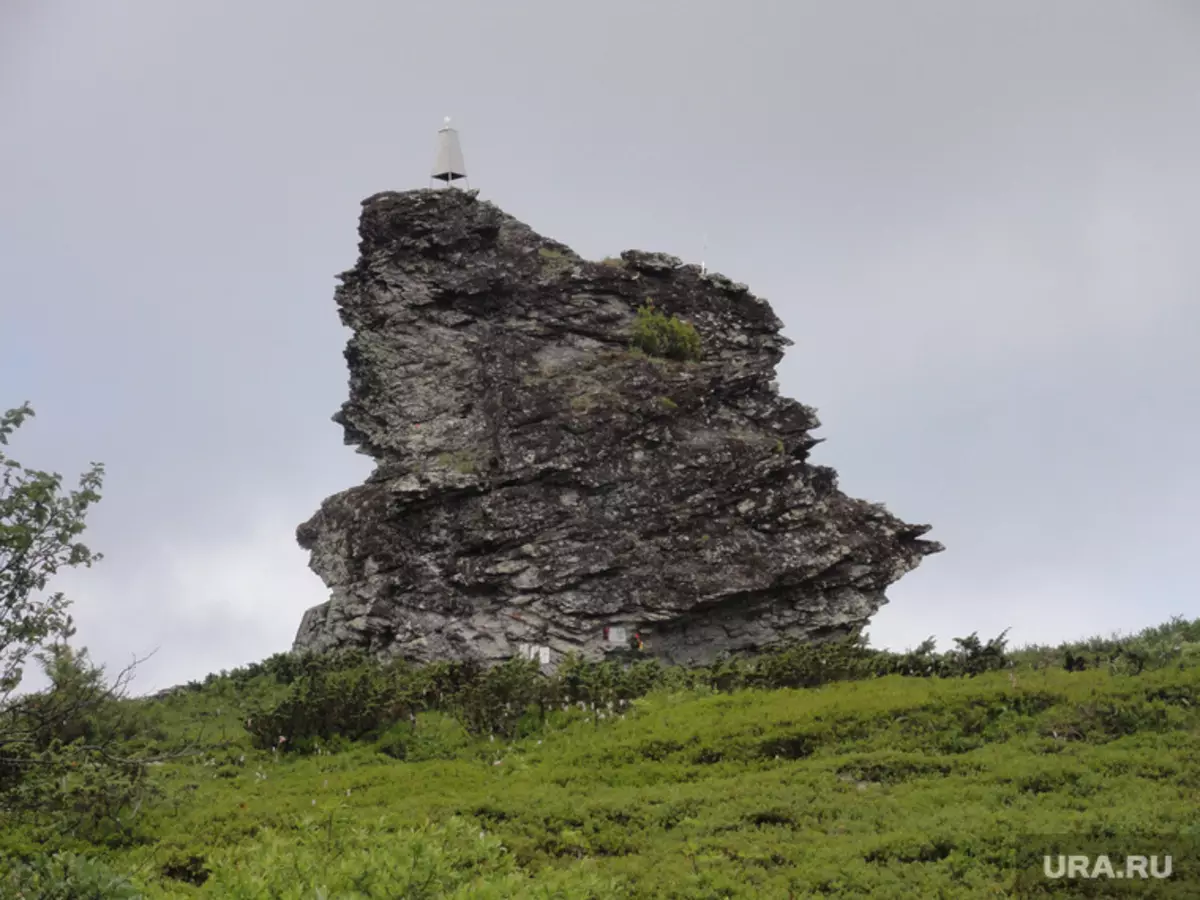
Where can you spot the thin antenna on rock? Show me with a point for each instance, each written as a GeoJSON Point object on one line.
{"type": "Point", "coordinates": [448, 165]}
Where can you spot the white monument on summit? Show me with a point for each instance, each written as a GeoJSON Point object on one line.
{"type": "Point", "coordinates": [448, 165]}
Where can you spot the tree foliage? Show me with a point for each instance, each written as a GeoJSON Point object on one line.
{"type": "Point", "coordinates": [39, 528]}
{"type": "Point", "coordinates": [61, 763]}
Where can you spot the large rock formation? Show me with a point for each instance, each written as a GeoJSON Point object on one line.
{"type": "Point", "coordinates": [540, 488]}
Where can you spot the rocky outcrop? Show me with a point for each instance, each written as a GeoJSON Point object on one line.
{"type": "Point", "coordinates": [540, 488]}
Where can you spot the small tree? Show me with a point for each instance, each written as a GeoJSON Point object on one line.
{"type": "Point", "coordinates": [60, 760]}
{"type": "Point", "coordinates": [39, 525]}
{"type": "Point", "coordinates": [973, 657]}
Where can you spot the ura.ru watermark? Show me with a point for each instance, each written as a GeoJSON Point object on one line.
{"type": "Point", "coordinates": [1126, 865]}
{"type": "Point", "coordinates": [1104, 866]}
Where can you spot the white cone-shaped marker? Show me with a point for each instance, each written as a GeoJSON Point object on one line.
{"type": "Point", "coordinates": [448, 165]}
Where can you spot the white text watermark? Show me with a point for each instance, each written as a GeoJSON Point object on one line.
{"type": "Point", "coordinates": [1106, 866]}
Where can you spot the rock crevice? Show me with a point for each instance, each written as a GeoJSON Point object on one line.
{"type": "Point", "coordinates": [540, 488]}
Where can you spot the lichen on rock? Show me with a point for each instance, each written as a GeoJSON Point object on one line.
{"type": "Point", "coordinates": [541, 485]}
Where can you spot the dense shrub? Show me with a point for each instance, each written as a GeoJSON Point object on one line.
{"type": "Point", "coordinates": [809, 665]}
{"type": "Point", "coordinates": [450, 859]}
{"type": "Point", "coordinates": [1176, 642]}
{"type": "Point", "coordinates": [78, 706]}
{"type": "Point", "coordinates": [430, 735]}
{"type": "Point", "coordinates": [64, 769]}
{"type": "Point", "coordinates": [656, 334]}
{"type": "Point", "coordinates": [973, 657]}
{"type": "Point", "coordinates": [325, 704]}
{"type": "Point", "coordinates": [82, 793]}
{"type": "Point", "coordinates": [64, 876]}
{"type": "Point", "coordinates": [345, 697]}
{"type": "Point", "coordinates": [496, 701]}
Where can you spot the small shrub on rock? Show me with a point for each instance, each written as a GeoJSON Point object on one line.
{"type": "Point", "coordinates": [657, 335]}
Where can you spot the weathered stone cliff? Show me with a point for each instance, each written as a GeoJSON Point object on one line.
{"type": "Point", "coordinates": [540, 488]}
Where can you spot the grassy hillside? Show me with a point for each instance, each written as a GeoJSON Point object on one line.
{"type": "Point", "coordinates": [888, 787]}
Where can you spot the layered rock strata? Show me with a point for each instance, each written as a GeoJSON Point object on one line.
{"type": "Point", "coordinates": [541, 488]}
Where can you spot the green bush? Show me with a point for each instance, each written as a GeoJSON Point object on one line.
{"type": "Point", "coordinates": [1175, 643]}
{"type": "Point", "coordinates": [346, 698]}
{"type": "Point", "coordinates": [71, 793]}
{"type": "Point", "coordinates": [808, 665]}
{"type": "Point", "coordinates": [327, 704]}
{"type": "Point", "coordinates": [497, 700]}
{"type": "Point", "coordinates": [65, 876]}
{"type": "Point", "coordinates": [66, 771]}
{"type": "Point", "coordinates": [60, 764]}
{"type": "Point", "coordinates": [973, 657]}
{"type": "Point", "coordinates": [432, 736]}
{"type": "Point", "coordinates": [452, 859]}
{"type": "Point", "coordinates": [79, 705]}
{"type": "Point", "coordinates": [657, 335]}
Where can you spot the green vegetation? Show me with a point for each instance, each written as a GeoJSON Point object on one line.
{"type": "Point", "coordinates": [668, 403]}
{"type": "Point", "coordinates": [59, 756]}
{"type": "Point", "coordinates": [657, 335]}
{"type": "Point", "coordinates": [834, 770]}
{"type": "Point", "coordinates": [463, 461]}
{"type": "Point", "coordinates": [66, 876]}
{"type": "Point", "coordinates": [38, 528]}
{"type": "Point", "coordinates": [555, 261]}
{"type": "Point", "coordinates": [614, 261]}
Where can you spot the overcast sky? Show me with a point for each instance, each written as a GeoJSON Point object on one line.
{"type": "Point", "coordinates": [978, 220]}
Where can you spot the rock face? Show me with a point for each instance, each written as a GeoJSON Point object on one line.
{"type": "Point", "coordinates": [540, 488]}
